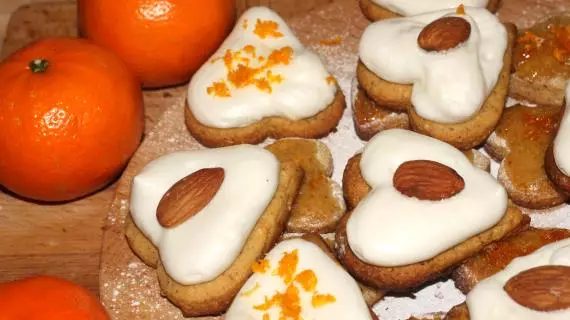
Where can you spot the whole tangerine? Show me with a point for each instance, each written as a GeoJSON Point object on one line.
{"type": "Point", "coordinates": [163, 41]}
{"type": "Point", "coordinates": [71, 116]}
{"type": "Point", "coordinates": [48, 298]}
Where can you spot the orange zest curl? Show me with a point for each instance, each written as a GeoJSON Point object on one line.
{"type": "Point", "coordinates": [331, 80]}
{"type": "Point", "coordinates": [460, 9]}
{"type": "Point", "coordinates": [308, 280]}
{"type": "Point", "coordinates": [267, 28]}
{"type": "Point", "coordinates": [244, 24]}
{"type": "Point", "coordinates": [320, 300]}
{"type": "Point", "coordinates": [219, 89]}
{"type": "Point", "coordinates": [331, 42]}
{"type": "Point", "coordinates": [251, 291]}
{"type": "Point", "coordinates": [260, 266]}
{"type": "Point", "coordinates": [288, 266]}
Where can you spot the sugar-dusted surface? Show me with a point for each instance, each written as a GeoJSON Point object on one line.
{"type": "Point", "coordinates": [129, 288]}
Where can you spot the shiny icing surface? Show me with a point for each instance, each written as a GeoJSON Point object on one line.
{"type": "Point", "coordinates": [261, 70]}
{"type": "Point", "coordinates": [562, 140]}
{"type": "Point", "coordinates": [388, 228]}
{"type": "Point", "coordinates": [189, 254]}
{"type": "Point", "coordinates": [415, 7]}
{"type": "Point", "coordinates": [489, 301]}
{"type": "Point", "coordinates": [297, 279]}
{"type": "Point", "coordinates": [449, 86]}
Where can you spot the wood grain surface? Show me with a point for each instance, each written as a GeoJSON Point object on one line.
{"type": "Point", "coordinates": [64, 240]}
{"type": "Point", "coordinates": [128, 288]}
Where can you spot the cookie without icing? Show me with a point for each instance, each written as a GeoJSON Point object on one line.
{"type": "Point", "coordinates": [262, 83]}
{"type": "Point", "coordinates": [541, 62]}
{"type": "Point", "coordinates": [519, 143]}
{"type": "Point", "coordinates": [374, 11]}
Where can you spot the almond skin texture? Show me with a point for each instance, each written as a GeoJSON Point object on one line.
{"type": "Point", "coordinates": [444, 34]}
{"type": "Point", "coordinates": [545, 288]}
{"type": "Point", "coordinates": [427, 180]}
{"type": "Point", "coordinates": [189, 196]}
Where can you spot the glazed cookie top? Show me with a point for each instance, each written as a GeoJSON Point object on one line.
{"type": "Point", "coordinates": [491, 298]}
{"type": "Point", "coordinates": [389, 228]}
{"type": "Point", "coordinates": [562, 140]}
{"type": "Point", "coordinates": [415, 7]}
{"type": "Point", "coordinates": [298, 280]}
{"type": "Point", "coordinates": [261, 70]}
{"type": "Point", "coordinates": [449, 86]}
{"type": "Point", "coordinates": [190, 255]}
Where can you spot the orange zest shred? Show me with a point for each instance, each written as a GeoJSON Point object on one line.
{"type": "Point", "coordinates": [260, 266]}
{"type": "Point", "coordinates": [219, 89]}
{"type": "Point", "coordinates": [331, 80]}
{"type": "Point", "coordinates": [331, 42]}
{"type": "Point", "coordinates": [244, 24]}
{"type": "Point", "coordinates": [289, 301]}
{"type": "Point", "coordinates": [460, 9]}
{"type": "Point", "coordinates": [556, 41]}
{"type": "Point", "coordinates": [251, 291]}
{"type": "Point", "coordinates": [267, 28]}
{"type": "Point", "coordinates": [241, 73]}
{"type": "Point", "coordinates": [288, 266]}
{"type": "Point", "coordinates": [308, 280]}
{"type": "Point", "coordinates": [320, 300]}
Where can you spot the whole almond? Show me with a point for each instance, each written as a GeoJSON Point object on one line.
{"type": "Point", "coordinates": [444, 34]}
{"type": "Point", "coordinates": [189, 196]}
{"type": "Point", "coordinates": [427, 180]}
{"type": "Point", "coordinates": [545, 288]}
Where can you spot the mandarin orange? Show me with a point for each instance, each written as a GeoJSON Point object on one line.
{"type": "Point", "coordinates": [71, 116]}
{"type": "Point", "coordinates": [48, 298]}
{"type": "Point", "coordinates": [163, 41]}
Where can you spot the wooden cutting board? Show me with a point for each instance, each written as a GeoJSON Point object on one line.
{"type": "Point", "coordinates": [128, 288]}
{"type": "Point", "coordinates": [65, 240]}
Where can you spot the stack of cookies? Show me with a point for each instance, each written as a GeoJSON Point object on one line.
{"type": "Point", "coordinates": [263, 232]}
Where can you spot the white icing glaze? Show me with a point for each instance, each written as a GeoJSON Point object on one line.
{"type": "Point", "coordinates": [489, 301]}
{"type": "Point", "coordinates": [562, 140]}
{"type": "Point", "coordinates": [388, 228]}
{"type": "Point", "coordinates": [415, 7]}
{"type": "Point", "coordinates": [303, 92]}
{"type": "Point", "coordinates": [204, 246]}
{"type": "Point", "coordinates": [331, 279]}
{"type": "Point", "coordinates": [450, 86]}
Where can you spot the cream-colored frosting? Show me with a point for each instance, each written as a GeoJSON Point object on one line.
{"type": "Point", "coordinates": [489, 301]}
{"type": "Point", "coordinates": [562, 140]}
{"type": "Point", "coordinates": [204, 246]}
{"type": "Point", "coordinates": [388, 228]}
{"type": "Point", "coordinates": [306, 87]}
{"type": "Point", "coordinates": [331, 279]}
{"type": "Point", "coordinates": [415, 7]}
{"type": "Point", "coordinates": [450, 86]}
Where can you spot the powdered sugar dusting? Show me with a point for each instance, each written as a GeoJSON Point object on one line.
{"type": "Point", "coordinates": [129, 288]}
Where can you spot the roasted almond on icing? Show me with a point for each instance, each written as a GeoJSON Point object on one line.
{"type": "Point", "coordinates": [444, 34]}
{"type": "Point", "coordinates": [427, 180]}
{"type": "Point", "coordinates": [188, 196]}
{"type": "Point", "coordinates": [545, 288]}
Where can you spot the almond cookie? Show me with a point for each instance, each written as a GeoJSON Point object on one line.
{"type": "Point", "coordinates": [262, 82]}
{"type": "Point", "coordinates": [541, 62]}
{"type": "Point", "coordinates": [448, 70]}
{"type": "Point", "coordinates": [557, 160]}
{"type": "Point", "coordinates": [420, 208]}
{"type": "Point", "coordinates": [535, 286]}
{"type": "Point", "coordinates": [519, 143]}
{"type": "Point", "coordinates": [496, 256]}
{"type": "Point", "coordinates": [385, 9]}
{"type": "Point", "coordinates": [299, 279]}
